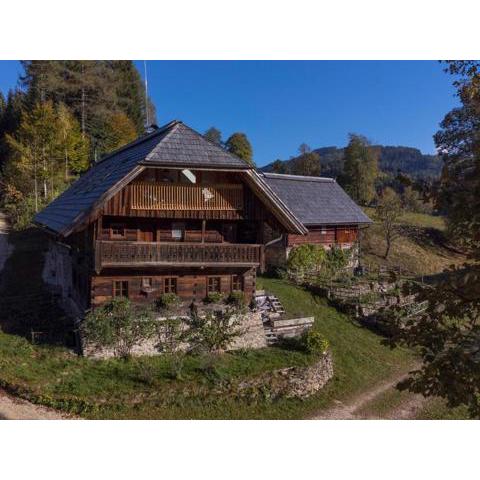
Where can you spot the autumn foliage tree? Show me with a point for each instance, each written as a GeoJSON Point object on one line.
{"type": "Point", "coordinates": [239, 145]}
{"type": "Point", "coordinates": [360, 170]}
{"type": "Point", "coordinates": [66, 115]}
{"type": "Point", "coordinates": [307, 163]}
{"type": "Point", "coordinates": [388, 211]}
{"type": "Point", "coordinates": [46, 149]}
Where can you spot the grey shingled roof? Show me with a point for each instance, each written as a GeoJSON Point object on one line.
{"type": "Point", "coordinates": [170, 145]}
{"type": "Point", "coordinates": [316, 200]}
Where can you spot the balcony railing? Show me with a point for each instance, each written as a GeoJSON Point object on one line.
{"type": "Point", "coordinates": [145, 254]}
{"type": "Point", "coordinates": [158, 196]}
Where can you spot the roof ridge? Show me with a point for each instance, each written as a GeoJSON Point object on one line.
{"type": "Point", "coordinates": [175, 124]}
{"type": "Point", "coordinates": [305, 178]}
{"type": "Point", "coordinates": [217, 145]}
{"type": "Point", "coordinates": [140, 140]}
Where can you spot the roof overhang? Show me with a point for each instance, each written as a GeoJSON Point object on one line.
{"type": "Point", "coordinates": [87, 216]}
{"type": "Point", "coordinates": [283, 214]}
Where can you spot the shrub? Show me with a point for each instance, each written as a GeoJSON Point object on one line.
{"type": "Point", "coordinates": [237, 299]}
{"type": "Point", "coordinates": [212, 332]}
{"type": "Point", "coordinates": [119, 325]}
{"type": "Point", "coordinates": [314, 343]}
{"type": "Point", "coordinates": [304, 259]}
{"type": "Point", "coordinates": [170, 334]}
{"type": "Point", "coordinates": [214, 297]}
{"type": "Point", "coordinates": [168, 301]}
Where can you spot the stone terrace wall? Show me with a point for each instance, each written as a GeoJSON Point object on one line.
{"type": "Point", "coordinates": [252, 336]}
{"type": "Point", "coordinates": [292, 382]}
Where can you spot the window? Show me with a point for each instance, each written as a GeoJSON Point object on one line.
{"type": "Point", "coordinates": [117, 230]}
{"type": "Point", "coordinates": [120, 288]}
{"type": "Point", "coordinates": [178, 229]}
{"type": "Point", "coordinates": [170, 285]}
{"type": "Point", "coordinates": [237, 283]}
{"type": "Point", "coordinates": [323, 230]}
{"type": "Point", "coordinates": [213, 284]}
{"type": "Point", "coordinates": [147, 282]}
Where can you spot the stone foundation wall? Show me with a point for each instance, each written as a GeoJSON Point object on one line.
{"type": "Point", "coordinates": [252, 336]}
{"type": "Point", "coordinates": [293, 382]}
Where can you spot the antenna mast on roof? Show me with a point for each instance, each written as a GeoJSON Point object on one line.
{"type": "Point", "coordinates": [147, 121]}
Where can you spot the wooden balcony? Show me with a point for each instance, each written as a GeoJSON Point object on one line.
{"type": "Point", "coordinates": [150, 254]}
{"type": "Point", "coordinates": [158, 196]}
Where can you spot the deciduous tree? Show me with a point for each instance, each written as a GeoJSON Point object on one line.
{"type": "Point", "coordinates": [239, 145]}
{"type": "Point", "coordinates": [447, 332]}
{"type": "Point", "coordinates": [307, 163]}
{"type": "Point", "coordinates": [388, 211]}
{"type": "Point", "coordinates": [213, 135]}
{"type": "Point", "coordinates": [360, 170]}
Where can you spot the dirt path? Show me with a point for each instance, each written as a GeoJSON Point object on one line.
{"type": "Point", "coordinates": [352, 410]}
{"type": "Point", "coordinates": [12, 408]}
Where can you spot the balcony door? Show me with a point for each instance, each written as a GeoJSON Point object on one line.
{"type": "Point", "coordinates": [229, 232]}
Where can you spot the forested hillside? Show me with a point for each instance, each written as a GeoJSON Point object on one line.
{"type": "Point", "coordinates": [408, 160]}
{"type": "Point", "coordinates": [63, 116]}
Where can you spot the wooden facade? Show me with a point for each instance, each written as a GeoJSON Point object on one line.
{"type": "Point", "coordinates": [152, 238]}
{"type": "Point", "coordinates": [173, 213]}
{"type": "Point", "coordinates": [326, 235]}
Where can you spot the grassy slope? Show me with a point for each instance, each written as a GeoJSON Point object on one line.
{"type": "Point", "coordinates": [421, 249]}
{"type": "Point", "coordinates": [143, 388]}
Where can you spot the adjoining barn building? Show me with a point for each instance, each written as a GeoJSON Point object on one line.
{"type": "Point", "coordinates": [331, 217]}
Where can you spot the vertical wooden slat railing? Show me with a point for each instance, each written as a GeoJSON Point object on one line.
{"type": "Point", "coordinates": [154, 196]}
{"type": "Point", "coordinates": [111, 253]}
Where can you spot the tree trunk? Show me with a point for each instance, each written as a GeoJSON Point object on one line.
{"type": "Point", "coordinates": [389, 244]}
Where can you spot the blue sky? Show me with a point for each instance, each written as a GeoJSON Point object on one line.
{"type": "Point", "coordinates": [280, 105]}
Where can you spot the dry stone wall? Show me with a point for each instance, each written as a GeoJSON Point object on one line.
{"type": "Point", "coordinates": [292, 382]}
{"type": "Point", "coordinates": [252, 335]}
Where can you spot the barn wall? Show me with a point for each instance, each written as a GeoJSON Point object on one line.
{"type": "Point", "coordinates": [325, 235]}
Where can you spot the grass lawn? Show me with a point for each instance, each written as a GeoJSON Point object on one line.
{"type": "Point", "coordinates": [144, 388]}
{"type": "Point", "coordinates": [421, 249]}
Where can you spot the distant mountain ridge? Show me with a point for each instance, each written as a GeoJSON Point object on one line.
{"type": "Point", "coordinates": [408, 160]}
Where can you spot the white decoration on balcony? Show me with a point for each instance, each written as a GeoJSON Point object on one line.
{"type": "Point", "coordinates": [207, 194]}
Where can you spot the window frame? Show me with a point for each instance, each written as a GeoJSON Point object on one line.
{"type": "Point", "coordinates": [237, 280]}
{"type": "Point", "coordinates": [179, 227]}
{"type": "Point", "coordinates": [121, 289]}
{"type": "Point", "coordinates": [170, 281]}
{"type": "Point", "coordinates": [215, 280]}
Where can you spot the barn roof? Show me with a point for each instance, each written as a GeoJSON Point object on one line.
{"type": "Point", "coordinates": [316, 200]}
{"type": "Point", "coordinates": [171, 145]}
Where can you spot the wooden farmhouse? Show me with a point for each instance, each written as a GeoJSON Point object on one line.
{"type": "Point", "coordinates": [174, 213]}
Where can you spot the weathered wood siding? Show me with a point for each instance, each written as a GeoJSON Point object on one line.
{"type": "Point", "coordinates": [191, 284]}
{"type": "Point", "coordinates": [325, 235]}
{"type": "Point", "coordinates": [252, 208]}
